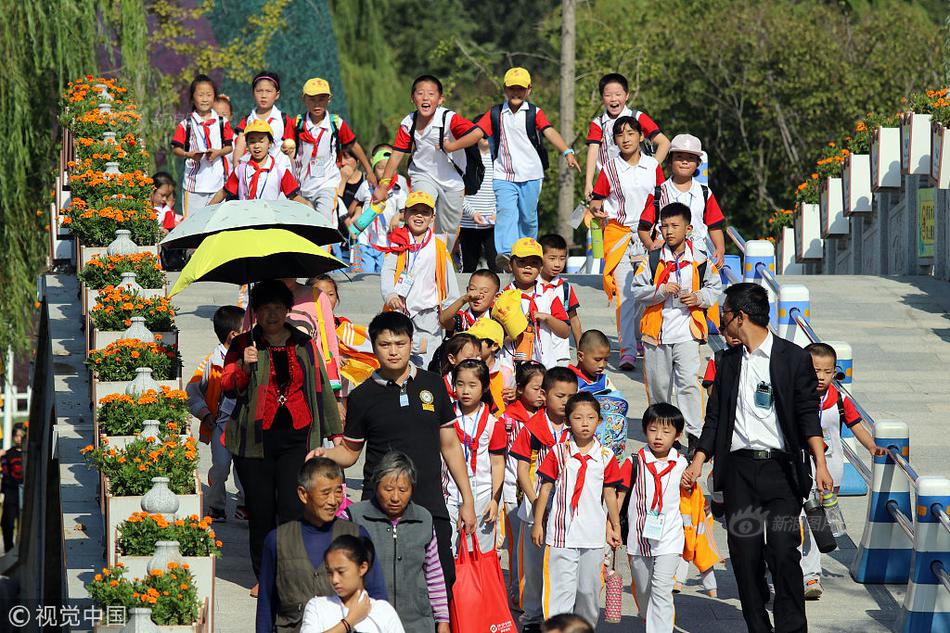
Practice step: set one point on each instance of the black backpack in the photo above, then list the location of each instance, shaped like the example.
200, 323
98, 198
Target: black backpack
534, 135
189, 125
335, 120
658, 191
474, 172
625, 508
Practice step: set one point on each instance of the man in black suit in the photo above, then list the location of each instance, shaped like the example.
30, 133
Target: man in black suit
761, 419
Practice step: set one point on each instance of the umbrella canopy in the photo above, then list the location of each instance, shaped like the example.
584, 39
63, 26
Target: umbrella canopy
241, 257
252, 214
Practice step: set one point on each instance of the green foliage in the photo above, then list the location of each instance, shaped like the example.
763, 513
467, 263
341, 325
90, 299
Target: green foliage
170, 594
130, 470
106, 270
139, 533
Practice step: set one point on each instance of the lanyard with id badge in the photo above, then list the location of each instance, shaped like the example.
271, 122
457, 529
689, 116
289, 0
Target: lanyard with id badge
653, 524
404, 284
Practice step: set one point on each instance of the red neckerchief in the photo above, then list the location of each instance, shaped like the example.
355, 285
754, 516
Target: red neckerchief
579, 483
206, 125
258, 170
467, 317
557, 282
580, 374
537, 424
670, 265
307, 137
472, 441
657, 501
517, 411
830, 399
449, 389
400, 241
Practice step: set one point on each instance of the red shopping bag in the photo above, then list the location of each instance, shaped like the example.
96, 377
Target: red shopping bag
479, 603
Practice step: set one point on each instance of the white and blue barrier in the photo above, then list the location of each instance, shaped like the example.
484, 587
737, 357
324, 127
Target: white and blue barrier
759, 261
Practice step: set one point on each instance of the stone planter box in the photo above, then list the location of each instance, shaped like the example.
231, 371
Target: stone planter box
201, 626
915, 144
808, 244
856, 185
833, 222
886, 158
100, 389
201, 567
97, 339
115, 510
89, 295
785, 254
940, 159
85, 253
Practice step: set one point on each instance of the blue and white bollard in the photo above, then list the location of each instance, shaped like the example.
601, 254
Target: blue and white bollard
793, 296
733, 263
760, 252
884, 553
852, 485
926, 606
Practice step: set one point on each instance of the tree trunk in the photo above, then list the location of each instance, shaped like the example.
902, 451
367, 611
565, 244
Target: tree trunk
565, 181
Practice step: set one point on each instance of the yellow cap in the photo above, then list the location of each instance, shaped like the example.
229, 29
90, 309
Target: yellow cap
257, 125
488, 329
507, 311
316, 86
527, 247
419, 197
517, 76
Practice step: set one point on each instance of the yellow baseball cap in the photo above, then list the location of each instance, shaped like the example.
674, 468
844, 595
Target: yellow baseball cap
419, 197
517, 76
316, 86
488, 329
527, 247
507, 311
257, 125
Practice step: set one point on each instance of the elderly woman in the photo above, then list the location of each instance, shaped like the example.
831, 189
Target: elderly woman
410, 563
284, 409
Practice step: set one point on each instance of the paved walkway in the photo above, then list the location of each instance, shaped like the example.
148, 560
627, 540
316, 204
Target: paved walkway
901, 339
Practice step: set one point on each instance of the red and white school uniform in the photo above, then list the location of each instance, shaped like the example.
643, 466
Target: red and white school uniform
202, 178
546, 342
601, 132
831, 429
271, 180
705, 213
514, 417
576, 531
517, 159
167, 218
627, 191
280, 123
654, 501
481, 435
317, 162
432, 170
536, 439
563, 290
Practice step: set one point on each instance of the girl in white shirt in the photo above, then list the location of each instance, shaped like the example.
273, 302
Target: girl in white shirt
351, 610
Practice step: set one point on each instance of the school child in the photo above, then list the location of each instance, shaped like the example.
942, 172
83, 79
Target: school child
836, 409
529, 398
321, 135
477, 226
541, 433
260, 175
417, 277
515, 130
656, 538
483, 287
554, 249
580, 478
453, 351
426, 134
601, 147
623, 190
484, 443
375, 235
676, 285
593, 351
203, 139
491, 338
207, 402
266, 90
707, 219
222, 105
547, 318
11, 466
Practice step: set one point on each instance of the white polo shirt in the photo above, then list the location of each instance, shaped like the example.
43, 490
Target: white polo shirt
202, 176
601, 132
703, 214
517, 159
277, 121
585, 527
756, 428
276, 180
628, 189
672, 538
480, 435
315, 163
676, 317
428, 159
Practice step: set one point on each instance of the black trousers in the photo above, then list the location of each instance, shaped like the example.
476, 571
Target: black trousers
270, 484
762, 519
11, 512
474, 243
443, 536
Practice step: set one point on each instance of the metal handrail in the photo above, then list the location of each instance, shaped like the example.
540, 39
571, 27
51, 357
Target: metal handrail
863, 470
895, 454
902, 519
768, 277
736, 238
940, 513
941, 573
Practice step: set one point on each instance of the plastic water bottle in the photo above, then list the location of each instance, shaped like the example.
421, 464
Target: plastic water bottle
366, 218
818, 524
829, 501
596, 239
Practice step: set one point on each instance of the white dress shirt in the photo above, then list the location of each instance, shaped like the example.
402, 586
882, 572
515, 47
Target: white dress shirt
756, 428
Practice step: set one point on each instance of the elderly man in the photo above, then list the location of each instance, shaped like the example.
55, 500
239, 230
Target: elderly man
292, 569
